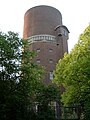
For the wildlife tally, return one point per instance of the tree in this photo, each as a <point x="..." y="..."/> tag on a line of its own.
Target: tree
<point x="9" y="55"/>
<point x="19" y="80"/>
<point x="73" y="71"/>
<point x="46" y="98"/>
<point x="21" y="85"/>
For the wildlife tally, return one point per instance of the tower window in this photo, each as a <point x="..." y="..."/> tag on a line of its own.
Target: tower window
<point x="38" y="60"/>
<point x="49" y="38"/>
<point x="50" y="50"/>
<point x="38" y="50"/>
<point x="65" y="33"/>
<point x="51" y="75"/>
<point x="42" y="37"/>
<point x="50" y="61"/>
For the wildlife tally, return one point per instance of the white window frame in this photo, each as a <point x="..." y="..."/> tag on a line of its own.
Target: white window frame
<point x="51" y="75"/>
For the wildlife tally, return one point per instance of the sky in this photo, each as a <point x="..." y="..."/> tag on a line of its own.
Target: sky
<point x="75" y="15"/>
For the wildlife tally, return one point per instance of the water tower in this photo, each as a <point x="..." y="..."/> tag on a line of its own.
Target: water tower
<point x="48" y="36"/>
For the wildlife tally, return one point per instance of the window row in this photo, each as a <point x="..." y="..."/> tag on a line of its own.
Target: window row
<point x="38" y="50"/>
<point x="50" y="61"/>
<point x="42" y="37"/>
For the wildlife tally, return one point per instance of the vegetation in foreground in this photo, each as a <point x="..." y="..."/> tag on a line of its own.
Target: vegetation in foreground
<point x="22" y="91"/>
<point x="73" y="72"/>
<point x="21" y="86"/>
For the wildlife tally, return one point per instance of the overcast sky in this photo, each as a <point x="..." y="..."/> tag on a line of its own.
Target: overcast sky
<point x="75" y="14"/>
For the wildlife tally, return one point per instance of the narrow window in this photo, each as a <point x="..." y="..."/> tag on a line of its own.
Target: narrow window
<point x="38" y="50"/>
<point x="42" y="37"/>
<point x="38" y="60"/>
<point x="50" y="50"/>
<point x="51" y="75"/>
<point x="50" y="61"/>
<point x="65" y="32"/>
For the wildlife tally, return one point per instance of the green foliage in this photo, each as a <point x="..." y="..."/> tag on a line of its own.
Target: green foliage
<point x="20" y="78"/>
<point x="21" y="84"/>
<point x="48" y="94"/>
<point x="9" y="56"/>
<point x="73" y="71"/>
<point x="45" y="100"/>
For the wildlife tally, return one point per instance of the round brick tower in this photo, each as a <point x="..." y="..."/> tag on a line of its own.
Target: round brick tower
<point x="41" y="20"/>
<point x="47" y="35"/>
